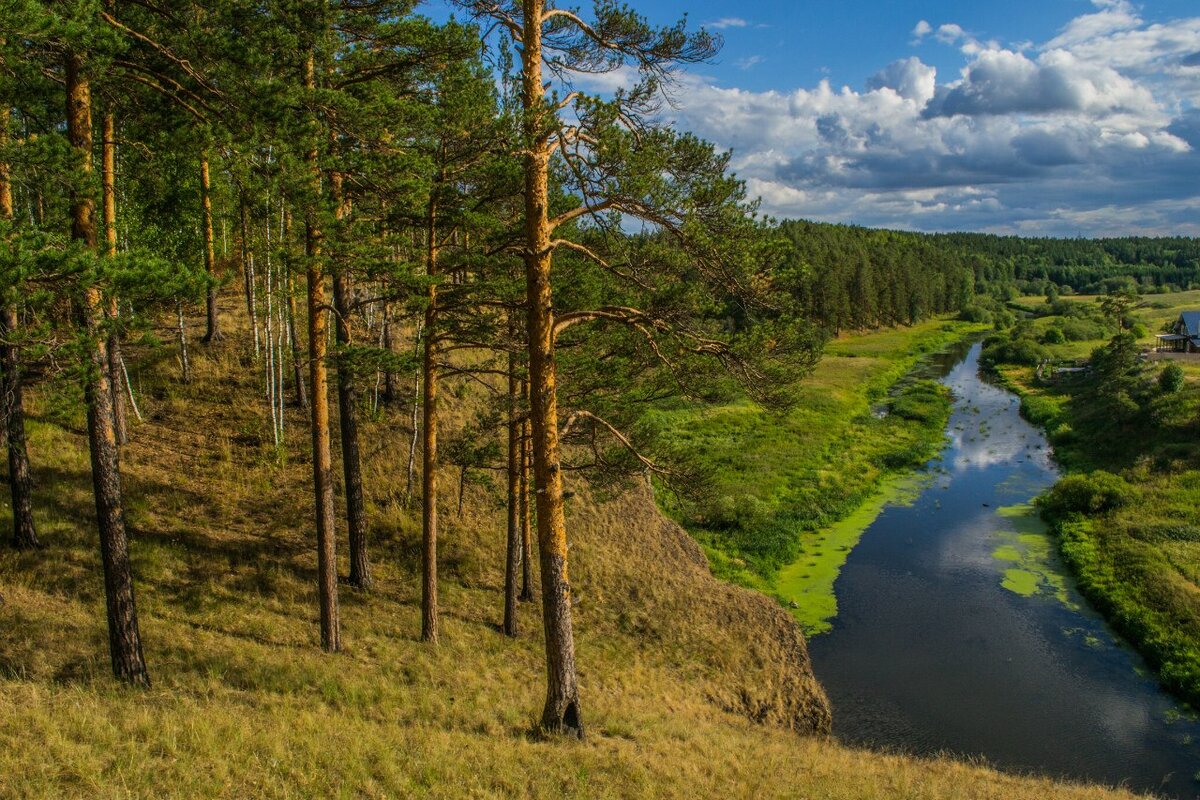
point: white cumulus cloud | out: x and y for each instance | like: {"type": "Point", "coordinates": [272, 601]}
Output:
{"type": "Point", "coordinates": [1096, 130]}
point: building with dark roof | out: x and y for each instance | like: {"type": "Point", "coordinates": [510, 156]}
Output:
{"type": "Point", "coordinates": [1184, 336]}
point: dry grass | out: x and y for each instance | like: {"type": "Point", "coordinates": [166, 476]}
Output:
{"type": "Point", "coordinates": [677, 670]}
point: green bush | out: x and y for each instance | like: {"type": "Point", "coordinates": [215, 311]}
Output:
{"type": "Point", "coordinates": [975, 313]}
{"type": "Point", "coordinates": [1171, 379]}
{"type": "Point", "coordinates": [1053, 336]}
{"type": "Point", "coordinates": [1089, 493]}
{"type": "Point", "coordinates": [1022, 350]}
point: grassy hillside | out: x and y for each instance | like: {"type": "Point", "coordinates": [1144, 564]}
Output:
{"type": "Point", "coordinates": [691, 687]}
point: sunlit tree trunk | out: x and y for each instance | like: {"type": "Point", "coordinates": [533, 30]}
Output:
{"type": "Point", "coordinates": [318, 321]}
{"type": "Point", "coordinates": [108, 182]}
{"type": "Point", "coordinates": [125, 645]}
{"type": "Point", "coordinates": [561, 713]}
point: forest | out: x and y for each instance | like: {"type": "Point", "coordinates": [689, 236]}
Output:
{"type": "Point", "coordinates": [409, 213]}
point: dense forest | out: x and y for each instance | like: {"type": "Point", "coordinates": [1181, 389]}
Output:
{"type": "Point", "coordinates": [847, 277]}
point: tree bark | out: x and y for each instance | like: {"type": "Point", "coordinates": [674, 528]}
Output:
{"type": "Point", "coordinates": [356, 514]}
{"type": "Point", "coordinates": [248, 269]}
{"type": "Point", "coordinates": [391, 394]}
{"type": "Point", "coordinates": [516, 454]}
{"type": "Point", "coordinates": [318, 322]}
{"type": "Point", "coordinates": [429, 442]}
{"type": "Point", "coordinates": [293, 336]}
{"type": "Point", "coordinates": [125, 645]}
{"type": "Point", "coordinates": [212, 332]}
{"type": "Point", "coordinates": [561, 713]}
{"type": "Point", "coordinates": [108, 181]}
{"type": "Point", "coordinates": [19, 478]}
{"type": "Point", "coordinates": [526, 520]}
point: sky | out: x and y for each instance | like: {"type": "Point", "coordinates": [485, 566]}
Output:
{"type": "Point", "coordinates": [1032, 117]}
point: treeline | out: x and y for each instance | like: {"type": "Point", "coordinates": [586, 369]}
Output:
{"type": "Point", "coordinates": [403, 209]}
{"type": "Point", "coordinates": [849, 277]}
{"type": "Point", "coordinates": [1089, 266]}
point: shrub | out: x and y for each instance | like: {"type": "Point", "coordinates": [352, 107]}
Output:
{"type": "Point", "coordinates": [975, 313]}
{"type": "Point", "coordinates": [1091, 493]}
{"type": "Point", "coordinates": [1171, 379]}
{"type": "Point", "coordinates": [1053, 336]}
{"type": "Point", "coordinates": [1022, 350]}
{"type": "Point", "coordinates": [1139, 331]}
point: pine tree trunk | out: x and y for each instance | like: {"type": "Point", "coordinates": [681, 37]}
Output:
{"type": "Point", "coordinates": [318, 321]}
{"type": "Point", "coordinates": [356, 513]}
{"type": "Point", "coordinates": [125, 645]}
{"type": "Point", "coordinates": [416, 407]}
{"type": "Point", "coordinates": [516, 454]}
{"type": "Point", "coordinates": [248, 271]}
{"type": "Point", "coordinates": [108, 180]}
{"type": "Point", "coordinates": [561, 713]}
{"type": "Point", "coordinates": [293, 336]}
{"type": "Point", "coordinates": [526, 520]}
{"type": "Point", "coordinates": [212, 332]}
{"type": "Point", "coordinates": [185, 363]}
{"type": "Point", "coordinates": [391, 394]}
{"type": "Point", "coordinates": [429, 453]}
{"type": "Point", "coordinates": [20, 481]}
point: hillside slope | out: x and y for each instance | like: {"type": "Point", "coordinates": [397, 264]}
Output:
{"type": "Point", "coordinates": [690, 687]}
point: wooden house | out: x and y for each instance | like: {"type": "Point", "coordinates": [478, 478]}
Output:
{"type": "Point", "coordinates": [1184, 336]}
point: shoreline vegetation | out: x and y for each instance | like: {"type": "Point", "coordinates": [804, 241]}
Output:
{"type": "Point", "coordinates": [793, 492]}
{"type": "Point", "coordinates": [1126, 515]}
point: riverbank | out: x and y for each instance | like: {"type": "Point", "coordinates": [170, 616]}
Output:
{"type": "Point", "coordinates": [791, 491]}
{"type": "Point", "coordinates": [1127, 516]}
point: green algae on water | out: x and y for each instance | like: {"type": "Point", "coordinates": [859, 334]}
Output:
{"type": "Point", "coordinates": [807, 583]}
{"type": "Point", "coordinates": [1026, 547]}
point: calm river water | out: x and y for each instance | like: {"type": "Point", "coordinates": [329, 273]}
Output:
{"type": "Point", "coordinates": [958, 629]}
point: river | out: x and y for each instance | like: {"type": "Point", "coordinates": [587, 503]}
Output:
{"type": "Point", "coordinates": [958, 629]}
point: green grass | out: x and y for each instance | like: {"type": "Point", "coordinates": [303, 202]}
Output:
{"type": "Point", "coordinates": [780, 481]}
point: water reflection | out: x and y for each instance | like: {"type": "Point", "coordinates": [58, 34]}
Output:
{"type": "Point", "coordinates": [958, 629]}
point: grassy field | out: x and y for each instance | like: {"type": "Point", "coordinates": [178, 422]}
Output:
{"type": "Point", "coordinates": [791, 491]}
{"type": "Point", "coordinates": [690, 687]}
{"type": "Point", "coordinates": [1135, 548]}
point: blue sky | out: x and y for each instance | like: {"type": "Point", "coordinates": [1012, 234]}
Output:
{"type": "Point", "coordinates": [1038, 117]}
